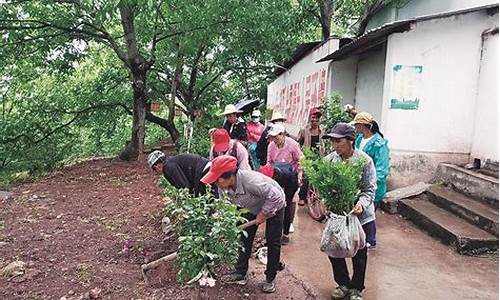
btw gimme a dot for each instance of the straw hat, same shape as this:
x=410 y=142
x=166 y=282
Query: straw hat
x=230 y=109
x=277 y=116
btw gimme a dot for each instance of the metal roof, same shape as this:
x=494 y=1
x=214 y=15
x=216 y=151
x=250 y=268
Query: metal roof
x=301 y=51
x=379 y=35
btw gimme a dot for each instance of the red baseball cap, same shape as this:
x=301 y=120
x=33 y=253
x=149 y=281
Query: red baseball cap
x=315 y=111
x=220 y=165
x=221 y=139
x=267 y=170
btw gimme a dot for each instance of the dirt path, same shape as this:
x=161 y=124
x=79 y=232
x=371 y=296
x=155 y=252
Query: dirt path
x=69 y=228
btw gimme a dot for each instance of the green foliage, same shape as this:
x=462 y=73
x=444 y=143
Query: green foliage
x=206 y=230
x=337 y=182
x=333 y=111
x=200 y=140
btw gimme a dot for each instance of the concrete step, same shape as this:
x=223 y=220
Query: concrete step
x=471 y=183
x=450 y=229
x=476 y=213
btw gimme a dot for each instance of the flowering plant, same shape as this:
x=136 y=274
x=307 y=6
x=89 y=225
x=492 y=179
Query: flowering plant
x=207 y=232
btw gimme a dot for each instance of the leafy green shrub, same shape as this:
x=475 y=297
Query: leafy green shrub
x=337 y=182
x=207 y=233
x=333 y=111
x=200 y=141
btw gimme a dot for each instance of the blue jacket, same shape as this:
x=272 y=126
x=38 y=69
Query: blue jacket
x=378 y=150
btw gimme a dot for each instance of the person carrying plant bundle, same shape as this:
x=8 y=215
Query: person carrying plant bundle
x=263 y=143
x=371 y=141
x=182 y=171
x=236 y=128
x=284 y=174
x=224 y=145
x=285 y=149
x=255 y=129
x=265 y=201
x=342 y=136
x=310 y=137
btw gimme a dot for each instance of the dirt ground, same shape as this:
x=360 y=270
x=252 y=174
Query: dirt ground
x=70 y=227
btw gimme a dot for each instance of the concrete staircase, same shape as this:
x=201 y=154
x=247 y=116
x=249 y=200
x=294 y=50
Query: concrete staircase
x=461 y=210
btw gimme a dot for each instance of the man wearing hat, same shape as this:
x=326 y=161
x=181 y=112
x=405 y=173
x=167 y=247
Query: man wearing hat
x=342 y=137
x=224 y=145
x=265 y=201
x=236 y=128
x=181 y=171
x=263 y=143
x=254 y=132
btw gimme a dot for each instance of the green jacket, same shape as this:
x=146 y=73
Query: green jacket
x=378 y=150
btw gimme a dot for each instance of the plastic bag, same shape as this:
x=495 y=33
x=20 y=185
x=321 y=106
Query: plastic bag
x=343 y=236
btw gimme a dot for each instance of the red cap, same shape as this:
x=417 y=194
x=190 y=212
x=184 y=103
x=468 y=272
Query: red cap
x=221 y=140
x=220 y=165
x=267 y=170
x=315 y=111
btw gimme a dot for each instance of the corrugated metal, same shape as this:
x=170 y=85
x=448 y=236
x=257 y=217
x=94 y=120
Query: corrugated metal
x=378 y=35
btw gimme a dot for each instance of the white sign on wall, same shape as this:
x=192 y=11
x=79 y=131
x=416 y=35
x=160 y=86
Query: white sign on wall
x=406 y=87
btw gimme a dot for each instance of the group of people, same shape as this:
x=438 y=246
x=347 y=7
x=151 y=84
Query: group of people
x=258 y=168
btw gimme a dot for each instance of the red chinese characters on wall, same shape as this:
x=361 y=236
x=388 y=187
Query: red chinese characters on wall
x=295 y=100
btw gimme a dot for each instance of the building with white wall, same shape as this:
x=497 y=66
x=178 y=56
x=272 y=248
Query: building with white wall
x=428 y=72
x=430 y=82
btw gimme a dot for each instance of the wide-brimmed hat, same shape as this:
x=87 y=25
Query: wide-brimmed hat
x=219 y=166
x=276 y=129
x=363 y=118
x=231 y=109
x=221 y=140
x=341 y=130
x=277 y=116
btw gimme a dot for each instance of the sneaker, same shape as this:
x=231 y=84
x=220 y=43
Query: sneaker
x=292 y=230
x=269 y=287
x=340 y=292
x=285 y=240
x=354 y=294
x=234 y=278
x=371 y=247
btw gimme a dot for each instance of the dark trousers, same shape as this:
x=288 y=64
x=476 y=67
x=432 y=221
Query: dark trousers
x=290 y=191
x=274 y=228
x=303 y=188
x=371 y=234
x=359 y=262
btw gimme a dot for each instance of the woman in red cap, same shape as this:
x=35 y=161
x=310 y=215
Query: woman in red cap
x=265 y=201
x=224 y=145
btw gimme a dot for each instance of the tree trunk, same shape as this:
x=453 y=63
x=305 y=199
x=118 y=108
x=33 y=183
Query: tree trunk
x=326 y=12
x=138 y=68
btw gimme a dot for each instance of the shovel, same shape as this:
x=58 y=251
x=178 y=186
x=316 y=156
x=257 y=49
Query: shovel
x=154 y=264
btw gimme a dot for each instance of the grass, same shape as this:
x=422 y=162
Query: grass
x=84 y=272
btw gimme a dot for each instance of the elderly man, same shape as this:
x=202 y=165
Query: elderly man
x=265 y=201
x=181 y=171
x=236 y=128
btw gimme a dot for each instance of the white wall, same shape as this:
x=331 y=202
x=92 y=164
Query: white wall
x=370 y=83
x=302 y=87
x=417 y=8
x=343 y=79
x=449 y=51
x=485 y=137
